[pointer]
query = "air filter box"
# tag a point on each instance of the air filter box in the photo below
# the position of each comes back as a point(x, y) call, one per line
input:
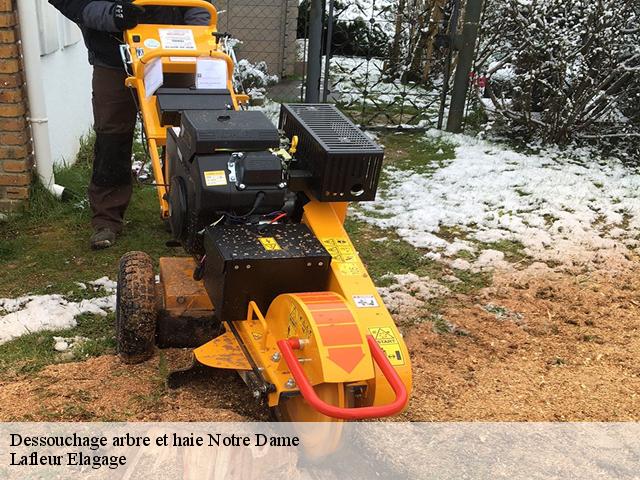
point(259, 262)
point(343, 164)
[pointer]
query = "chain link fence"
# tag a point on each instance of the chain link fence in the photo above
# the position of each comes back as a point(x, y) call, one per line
point(387, 63)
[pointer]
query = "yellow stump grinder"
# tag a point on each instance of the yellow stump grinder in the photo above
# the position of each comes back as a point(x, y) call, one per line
point(273, 287)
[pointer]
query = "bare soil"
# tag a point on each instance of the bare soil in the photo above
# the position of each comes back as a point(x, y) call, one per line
point(536, 346)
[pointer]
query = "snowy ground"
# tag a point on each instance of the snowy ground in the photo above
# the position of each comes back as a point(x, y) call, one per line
point(571, 211)
point(35, 313)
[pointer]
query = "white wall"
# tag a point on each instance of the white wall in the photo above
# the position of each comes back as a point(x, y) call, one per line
point(66, 80)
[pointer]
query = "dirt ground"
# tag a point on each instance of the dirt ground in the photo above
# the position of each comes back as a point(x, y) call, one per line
point(537, 345)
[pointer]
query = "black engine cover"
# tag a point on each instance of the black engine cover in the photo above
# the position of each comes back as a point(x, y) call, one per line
point(259, 262)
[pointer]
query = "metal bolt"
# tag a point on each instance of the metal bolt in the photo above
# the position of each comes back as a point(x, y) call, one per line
point(242, 186)
point(237, 267)
point(290, 383)
point(282, 185)
point(248, 267)
point(257, 394)
point(276, 357)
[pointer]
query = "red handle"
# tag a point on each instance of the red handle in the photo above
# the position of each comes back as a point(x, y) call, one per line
point(309, 394)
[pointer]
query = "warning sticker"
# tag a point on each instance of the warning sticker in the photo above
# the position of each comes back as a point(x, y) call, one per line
point(177, 39)
point(298, 324)
point(343, 254)
point(215, 178)
point(365, 301)
point(270, 244)
point(389, 343)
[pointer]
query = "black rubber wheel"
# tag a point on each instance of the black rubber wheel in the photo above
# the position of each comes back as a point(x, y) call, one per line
point(136, 308)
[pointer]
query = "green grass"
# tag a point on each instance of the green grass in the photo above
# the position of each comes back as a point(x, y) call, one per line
point(416, 152)
point(391, 256)
point(512, 249)
point(45, 248)
point(31, 353)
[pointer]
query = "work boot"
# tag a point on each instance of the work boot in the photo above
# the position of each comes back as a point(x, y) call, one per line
point(102, 238)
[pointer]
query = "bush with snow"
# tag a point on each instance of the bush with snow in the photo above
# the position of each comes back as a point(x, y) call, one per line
point(254, 78)
point(564, 70)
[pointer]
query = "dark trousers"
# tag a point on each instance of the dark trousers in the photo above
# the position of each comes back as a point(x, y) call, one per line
point(114, 121)
point(114, 114)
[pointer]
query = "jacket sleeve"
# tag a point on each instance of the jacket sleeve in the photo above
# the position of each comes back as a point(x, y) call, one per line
point(98, 16)
point(196, 16)
point(72, 9)
point(94, 14)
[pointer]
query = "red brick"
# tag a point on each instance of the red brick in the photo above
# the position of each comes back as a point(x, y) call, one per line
point(13, 152)
point(10, 66)
point(12, 95)
point(15, 180)
point(15, 166)
point(7, 36)
point(7, 20)
point(8, 50)
point(12, 110)
point(13, 138)
point(17, 193)
point(11, 80)
point(16, 124)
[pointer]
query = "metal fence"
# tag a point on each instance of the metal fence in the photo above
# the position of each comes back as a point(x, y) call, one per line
point(387, 63)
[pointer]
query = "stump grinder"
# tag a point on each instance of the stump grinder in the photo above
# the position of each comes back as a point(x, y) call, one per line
point(273, 287)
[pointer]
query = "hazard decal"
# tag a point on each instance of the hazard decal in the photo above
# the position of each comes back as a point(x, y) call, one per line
point(344, 255)
point(270, 244)
point(386, 338)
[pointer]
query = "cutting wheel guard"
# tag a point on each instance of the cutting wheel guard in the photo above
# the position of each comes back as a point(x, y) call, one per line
point(287, 348)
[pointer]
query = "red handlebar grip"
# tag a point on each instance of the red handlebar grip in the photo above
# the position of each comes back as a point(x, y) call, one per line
point(309, 394)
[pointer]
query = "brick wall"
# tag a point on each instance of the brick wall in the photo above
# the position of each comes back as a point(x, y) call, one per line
point(15, 145)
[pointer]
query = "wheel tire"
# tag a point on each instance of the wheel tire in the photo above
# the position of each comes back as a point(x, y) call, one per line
point(136, 308)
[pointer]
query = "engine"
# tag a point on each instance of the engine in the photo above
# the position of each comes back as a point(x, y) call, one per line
point(224, 168)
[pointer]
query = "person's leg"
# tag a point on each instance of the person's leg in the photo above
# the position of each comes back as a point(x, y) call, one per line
point(114, 112)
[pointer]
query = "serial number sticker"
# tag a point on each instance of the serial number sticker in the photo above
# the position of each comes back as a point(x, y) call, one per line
point(177, 39)
point(270, 244)
point(365, 301)
point(215, 178)
point(386, 338)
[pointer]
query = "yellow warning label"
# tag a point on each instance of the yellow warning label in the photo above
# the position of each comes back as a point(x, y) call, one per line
point(351, 269)
point(215, 178)
point(389, 343)
point(344, 255)
point(270, 244)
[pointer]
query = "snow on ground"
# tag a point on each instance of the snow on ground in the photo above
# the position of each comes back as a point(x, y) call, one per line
point(573, 211)
point(408, 294)
point(35, 313)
